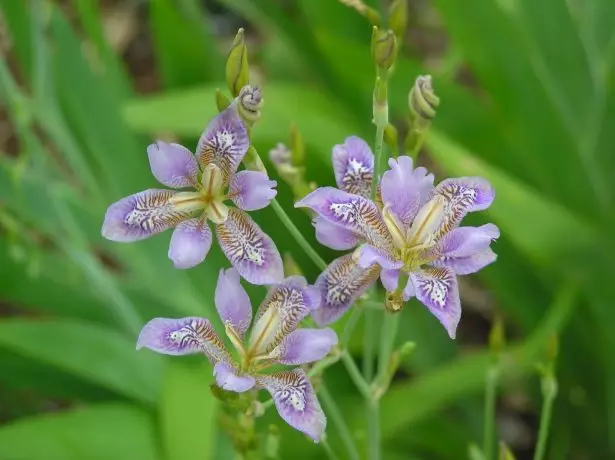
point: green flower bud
(398, 17)
(422, 100)
(249, 104)
(297, 146)
(384, 48)
(237, 71)
(222, 102)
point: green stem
(327, 448)
(351, 324)
(373, 429)
(355, 374)
(491, 379)
(368, 345)
(294, 231)
(390, 324)
(335, 415)
(549, 391)
(378, 143)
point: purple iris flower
(212, 175)
(409, 236)
(274, 339)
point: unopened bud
(280, 155)
(422, 100)
(237, 71)
(249, 104)
(297, 146)
(384, 48)
(222, 102)
(391, 138)
(398, 18)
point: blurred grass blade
(97, 354)
(188, 411)
(103, 432)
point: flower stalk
(549, 387)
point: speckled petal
(353, 164)
(232, 301)
(173, 165)
(334, 236)
(296, 401)
(284, 307)
(352, 212)
(463, 195)
(224, 142)
(250, 250)
(340, 285)
(405, 189)
(183, 336)
(305, 346)
(252, 190)
(437, 289)
(228, 378)
(142, 215)
(190, 243)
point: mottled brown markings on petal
(346, 280)
(241, 239)
(154, 211)
(459, 198)
(202, 334)
(357, 179)
(289, 387)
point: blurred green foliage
(537, 121)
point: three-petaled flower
(409, 235)
(273, 340)
(212, 174)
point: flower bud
(237, 71)
(297, 146)
(398, 18)
(280, 155)
(249, 103)
(422, 100)
(222, 102)
(384, 48)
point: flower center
(212, 194)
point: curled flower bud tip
(422, 99)
(249, 104)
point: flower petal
(406, 189)
(229, 379)
(232, 301)
(342, 282)
(224, 142)
(172, 165)
(463, 195)
(305, 346)
(353, 212)
(389, 279)
(252, 190)
(142, 215)
(369, 255)
(334, 236)
(466, 249)
(296, 401)
(190, 243)
(250, 250)
(284, 307)
(353, 163)
(437, 289)
(183, 336)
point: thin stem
(373, 429)
(491, 379)
(378, 143)
(335, 415)
(355, 374)
(390, 324)
(549, 391)
(351, 324)
(368, 345)
(294, 231)
(327, 448)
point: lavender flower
(274, 339)
(212, 174)
(410, 236)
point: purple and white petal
(389, 279)
(190, 243)
(279, 314)
(183, 336)
(334, 236)
(369, 255)
(466, 249)
(463, 195)
(352, 212)
(252, 190)
(250, 250)
(224, 142)
(342, 282)
(142, 215)
(353, 164)
(296, 401)
(304, 346)
(228, 378)
(409, 290)
(405, 189)
(232, 302)
(437, 289)
(173, 165)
